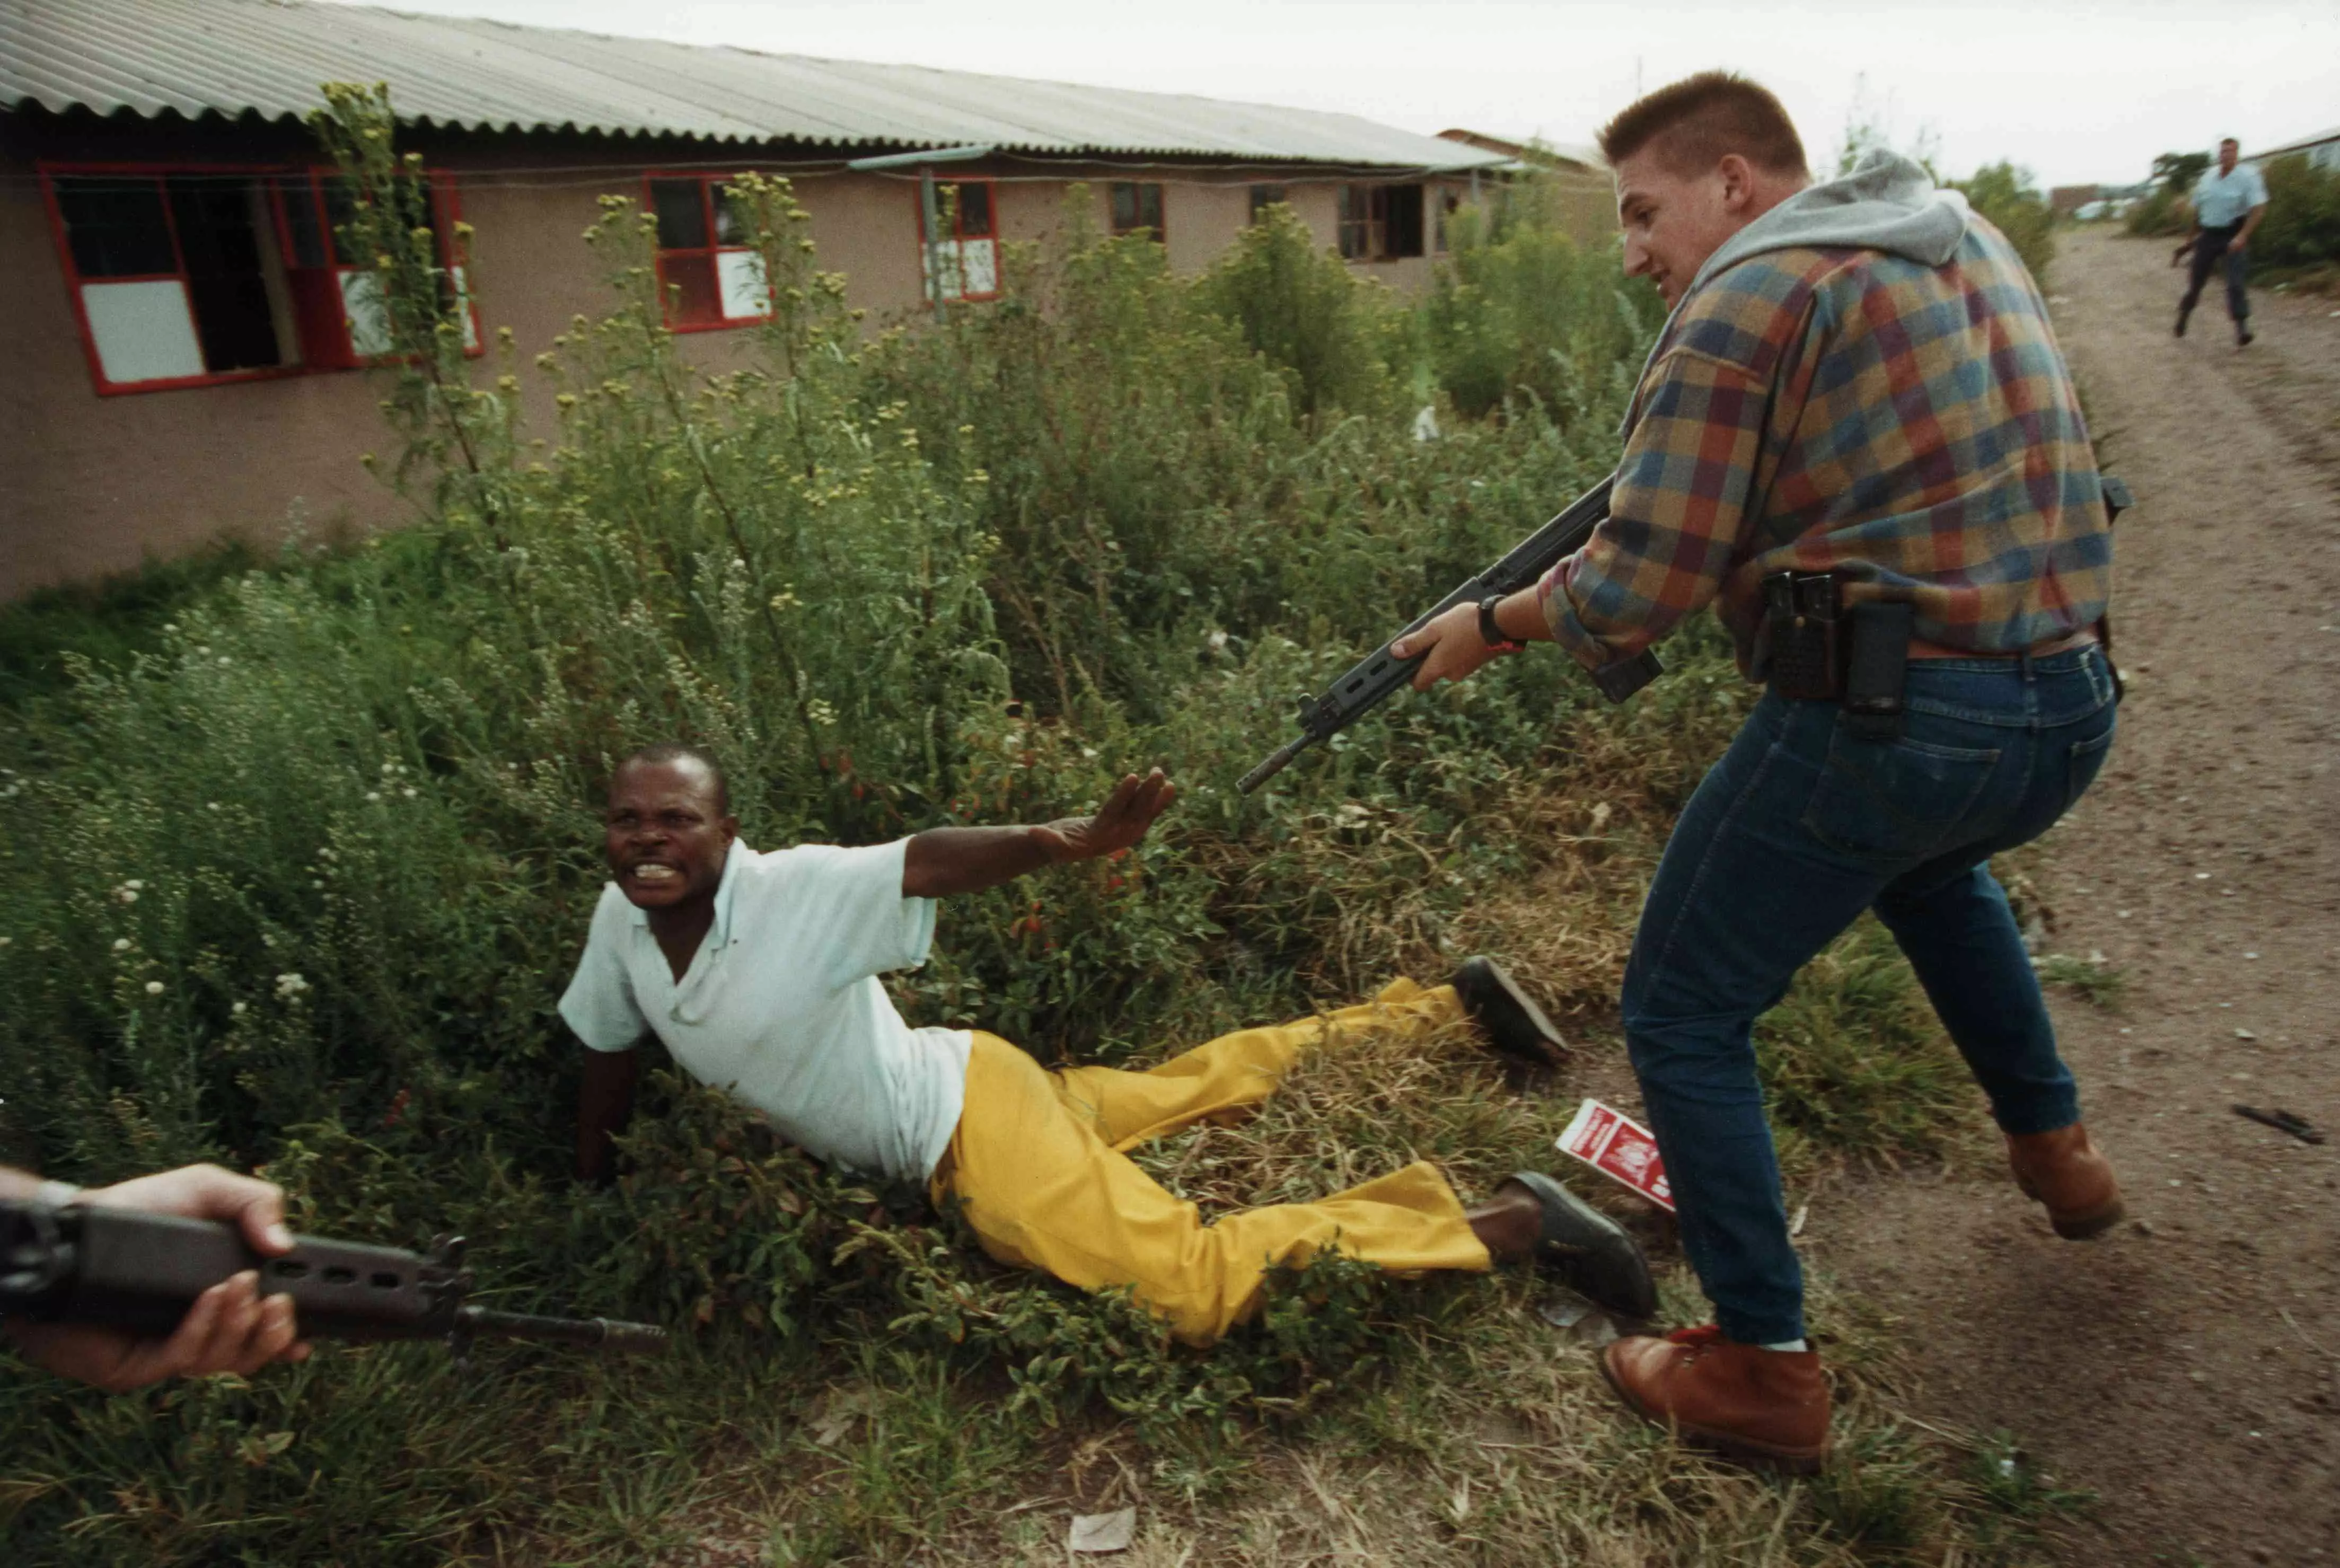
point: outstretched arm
(945, 861)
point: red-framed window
(186, 275)
(710, 276)
(1265, 197)
(1137, 208)
(965, 264)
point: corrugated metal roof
(2301, 146)
(152, 57)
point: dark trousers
(2210, 251)
(1799, 828)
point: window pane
(681, 208)
(731, 227)
(1264, 197)
(974, 211)
(1125, 206)
(115, 227)
(1403, 205)
(1149, 207)
(691, 298)
(301, 221)
(225, 282)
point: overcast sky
(2075, 91)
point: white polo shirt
(781, 1005)
(2221, 201)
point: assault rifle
(123, 1268)
(1374, 677)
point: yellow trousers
(1038, 1167)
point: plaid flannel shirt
(1912, 428)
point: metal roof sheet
(2300, 145)
(267, 57)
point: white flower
(289, 985)
(223, 659)
(237, 1009)
(154, 988)
(324, 854)
(6, 941)
(126, 893)
(211, 805)
(389, 768)
(373, 794)
(122, 944)
(316, 884)
(407, 793)
(135, 885)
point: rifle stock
(1371, 681)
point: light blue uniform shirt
(2223, 200)
(781, 1005)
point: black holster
(1819, 649)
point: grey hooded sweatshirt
(1888, 202)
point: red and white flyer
(1619, 1148)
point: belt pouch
(1876, 668)
(1800, 632)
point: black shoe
(2182, 313)
(2241, 337)
(1591, 1253)
(1513, 1024)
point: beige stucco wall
(93, 484)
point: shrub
(2006, 195)
(2302, 226)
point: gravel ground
(2185, 1369)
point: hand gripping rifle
(125, 1268)
(1374, 677)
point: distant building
(2065, 200)
(1587, 198)
(186, 326)
(2322, 150)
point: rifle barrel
(585, 1334)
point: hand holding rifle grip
(128, 1269)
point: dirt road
(2186, 1369)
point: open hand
(229, 1327)
(1119, 823)
(1450, 647)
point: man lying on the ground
(228, 1328)
(759, 974)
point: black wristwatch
(1490, 632)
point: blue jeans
(1789, 837)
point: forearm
(2250, 225)
(605, 1099)
(941, 862)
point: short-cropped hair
(668, 751)
(1696, 122)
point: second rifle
(1374, 677)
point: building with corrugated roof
(186, 348)
(2322, 150)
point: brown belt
(1921, 648)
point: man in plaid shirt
(1858, 378)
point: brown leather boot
(2063, 1170)
(1763, 1407)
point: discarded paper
(1104, 1531)
(1619, 1148)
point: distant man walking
(2228, 202)
(1857, 438)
